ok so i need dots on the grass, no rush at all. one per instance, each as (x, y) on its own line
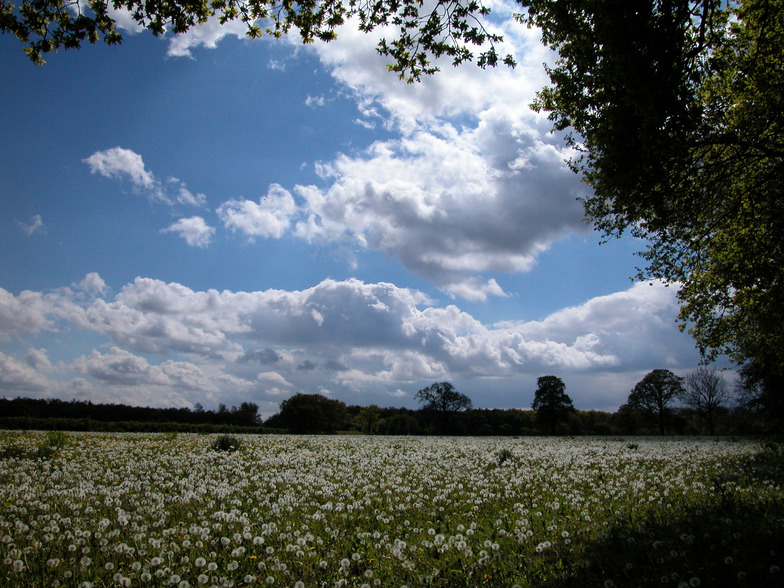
(157, 510)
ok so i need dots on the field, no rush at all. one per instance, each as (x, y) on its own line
(295, 511)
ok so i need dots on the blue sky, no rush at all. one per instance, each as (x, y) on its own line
(204, 218)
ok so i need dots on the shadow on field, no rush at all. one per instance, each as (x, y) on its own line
(731, 535)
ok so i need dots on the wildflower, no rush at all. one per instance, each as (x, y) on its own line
(200, 562)
(270, 580)
(203, 578)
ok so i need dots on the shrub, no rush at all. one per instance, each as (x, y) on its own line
(226, 443)
(504, 455)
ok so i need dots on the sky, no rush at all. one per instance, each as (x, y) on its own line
(201, 218)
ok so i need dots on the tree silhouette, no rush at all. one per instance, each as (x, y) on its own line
(551, 402)
(654, 392)
(443, 400)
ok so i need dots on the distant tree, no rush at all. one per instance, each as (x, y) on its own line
(312, 413)
(705, 390)
(442, 399)
(654, 392)
(551, 402)
(247, 414)
(368, 418)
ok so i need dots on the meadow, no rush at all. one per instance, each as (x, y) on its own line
(84, 509)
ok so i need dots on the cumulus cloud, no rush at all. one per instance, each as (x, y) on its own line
(125, 164)
(269, 218)
(273, 378)
(120, 367)
(21, 378)
(121, 163)
(38, 360)
(195, 231)
(265, 356)
(208, 35)
(348, 334)
(473, 183)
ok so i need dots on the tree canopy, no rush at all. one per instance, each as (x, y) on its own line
(677, 110)
(551, 402)
(705, 390)
(444, 400)
(654, 393)
(421, 32)
(312, 413)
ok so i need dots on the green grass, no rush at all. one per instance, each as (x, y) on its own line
(157, 510)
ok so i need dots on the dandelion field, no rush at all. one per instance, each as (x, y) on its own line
(297, 511)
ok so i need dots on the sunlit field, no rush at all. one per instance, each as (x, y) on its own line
(164, 510)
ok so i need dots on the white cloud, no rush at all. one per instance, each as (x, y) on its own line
(315, 101)
(207, 35)
(124, 20)
(473, 183)
(118, 163)
(125, 164)
(119, 367)
(195, 231)
(273, 378)
(347, 335)
(271, 217)
(38, 360)
(451, 203)
(185, 196)
(20, 378)
(28, 312)
(36, 225)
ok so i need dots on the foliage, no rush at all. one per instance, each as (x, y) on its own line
(551, 402)
(443, 400)
(422, 31)
(312, 413)
(246, 415)
(653, 394)
(677, 110)
(313, 511)
(227, 443)
(705, 390)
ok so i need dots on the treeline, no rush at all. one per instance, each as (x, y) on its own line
(374, 420)
(312, 413)
(76, 415)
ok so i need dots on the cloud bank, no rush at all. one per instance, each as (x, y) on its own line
(362, 341)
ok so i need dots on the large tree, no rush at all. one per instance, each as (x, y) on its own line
(312, 413)
(705, 390)
(551, 402)
(444, 400)
(677, 110)
(653, 394)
